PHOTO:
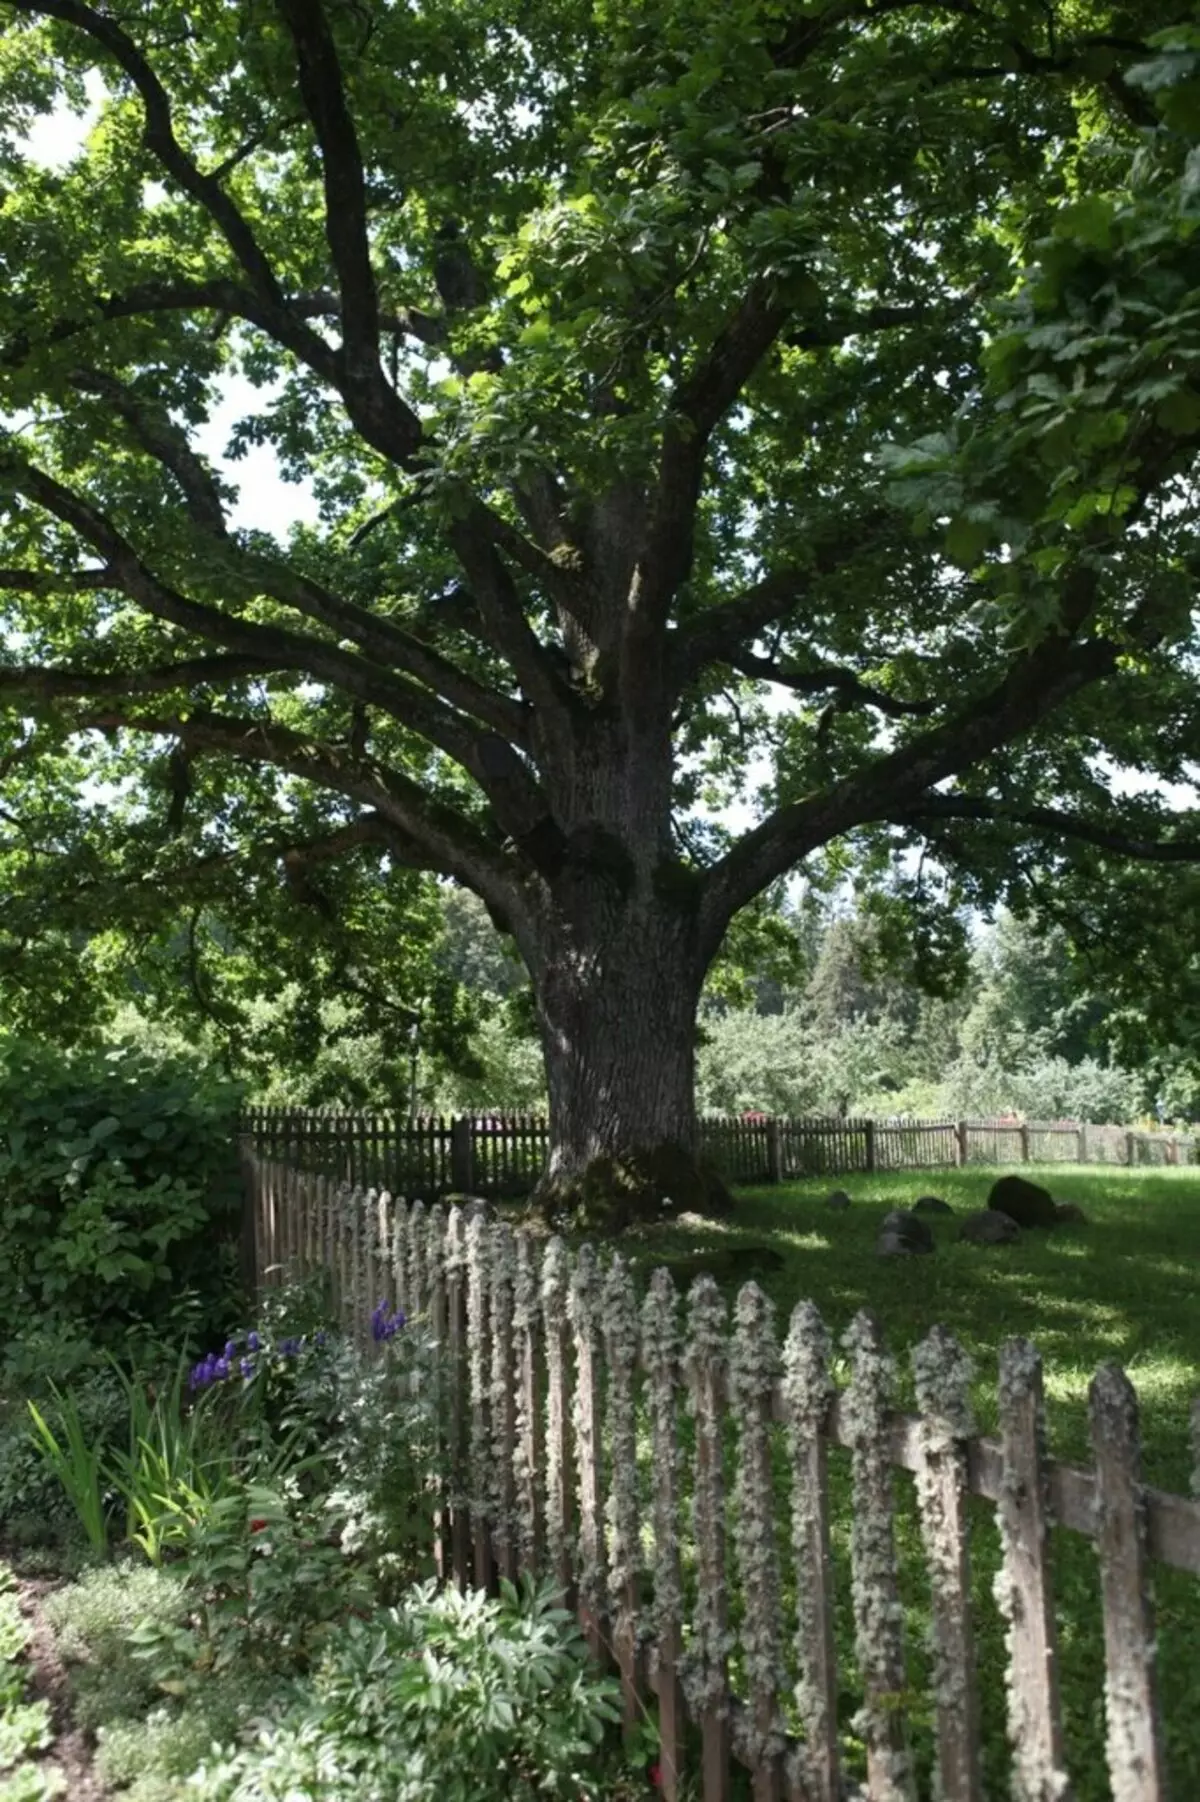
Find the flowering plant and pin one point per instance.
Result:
(247, 1358)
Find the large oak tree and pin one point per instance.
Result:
(647, 359)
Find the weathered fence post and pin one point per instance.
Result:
(870, 1143)
(456, 1321)
(503, 1399)
(436, 1318)
(1023, 1590)
(556, 1274)
(774, 1150)
(660, 1355)
(462, 1154)
(1136, 1766)
(960, 1135)
(753, 1367)
(619, 1322)
(583, 1311)
(943, 1382)
(527, 1462)
(878, 1617)
(706, 1679)
(1131, 1149)
(479, 1459)
(1024, 1141)
(807, 1392)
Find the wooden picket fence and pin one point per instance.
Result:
(672, 1475)
(502, 1155)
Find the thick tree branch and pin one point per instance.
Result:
(724, 632)
(1034, 686)
(698, 406)
(448, 842)
(157, 433)
(492, 762)
(379, 639)
(503, 618)
(323, 92)
(407, 322)
(45, 581)
(1053, 821)
(37, 682)
(822, 678)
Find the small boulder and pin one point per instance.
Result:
(989, 1227)
(901, 1234)
(839, 1200)
(1067, 1211)
(931, 1204)
(1025, 1202)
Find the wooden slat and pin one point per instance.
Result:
(583, 1302)
(753, 1362)
(528, 1449)
(1024, 1587)
(481, 1457)
(503, 1398)
(806, 1390)
(620, 1328)
(558, 1512)
(456, 1338)
(878, 1616)
(1136, 1765)
(660, 1356)
(943, 1378)
(710, 1622)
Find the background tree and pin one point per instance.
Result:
(639, 357)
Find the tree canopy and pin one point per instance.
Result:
(648, 362)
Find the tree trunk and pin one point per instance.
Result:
(617, 993)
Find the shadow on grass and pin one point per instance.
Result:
(1122, 1287)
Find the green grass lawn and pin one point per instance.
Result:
(1122, 1287)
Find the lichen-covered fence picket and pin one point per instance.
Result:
(502, 1155)
(669, 1468)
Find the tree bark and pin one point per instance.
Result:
(617, 972)
(618, 1030)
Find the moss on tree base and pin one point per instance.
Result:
(619, 1190)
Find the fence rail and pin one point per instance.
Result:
(590, 1435)
(502, 1155)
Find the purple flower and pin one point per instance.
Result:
(221, 1369)
(247, 1368)
(231, 1348)
(320, 1338)
(252, 1342)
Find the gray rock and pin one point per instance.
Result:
(989, 1227)
(839, 1200)
(1025, 1202)
(902, 1234)
(931, 1204)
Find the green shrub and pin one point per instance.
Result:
(118, 1191)
(461, 1697)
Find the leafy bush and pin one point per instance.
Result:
(456, 1696)
(117, 1186)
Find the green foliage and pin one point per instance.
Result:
(77, 1463)
(449, 1694)
(24, 1726)
(1022, 1035)
(118, 1189)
